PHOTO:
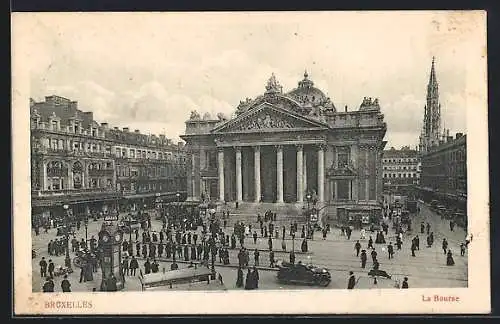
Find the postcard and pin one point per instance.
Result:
(250, 163)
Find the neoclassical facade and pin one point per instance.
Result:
(280, 146)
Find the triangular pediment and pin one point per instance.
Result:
(267, 117)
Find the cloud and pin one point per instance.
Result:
(153, 69)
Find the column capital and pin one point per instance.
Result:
(256, 148)
(321, 147)
(237, 148)
(220, 149)
(279, 147)
(300, 147)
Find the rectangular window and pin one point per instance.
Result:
(343, 189)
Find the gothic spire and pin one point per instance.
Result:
(432, 77)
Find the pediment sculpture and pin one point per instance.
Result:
(264, 122)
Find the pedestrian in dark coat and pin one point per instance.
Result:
(125, 267)
(48, 286)
(271, 259)
(133, 266)
(239, 278)
(357, 247)
(449, 259)
(390, 250)
(363, 258)
(370, 243)
(255, 278)
(186, 253)
(160, 250)
(51, 269)
(193, 252)
(65, 284)
(147, 267)
(352, 281)
(462, 249)
(445, 245)
(417, 242)
(199, 252)
(248, 281)
(43, 268)
(404, 285)
(256, 257)
(374, 255)
(270, 243)
(137, 249)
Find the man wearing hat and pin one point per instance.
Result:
(352, 280)
(404, 285)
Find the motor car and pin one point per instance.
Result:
(298, 273)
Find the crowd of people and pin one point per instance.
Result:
(400, 228)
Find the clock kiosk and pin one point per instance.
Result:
(110, 240)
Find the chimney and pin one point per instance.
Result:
(116, 128)
(104, 125)
(458, 135)
(345, 108)
(137, 131)
(125, 129)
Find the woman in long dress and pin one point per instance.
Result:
(449, 259)
(248, 281)
(239, 278)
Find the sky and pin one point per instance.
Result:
(147, 71)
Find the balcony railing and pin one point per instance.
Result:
(76, 153)
(100, 172)
(72, 192)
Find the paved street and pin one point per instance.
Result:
(427, 269)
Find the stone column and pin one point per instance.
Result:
(44, 173)
(304, 183)
(367, 180)
(321, 173)
(70, 176)
(220, 165)
(239, 188)
(300, 176)
(256, 155)
(367, 189)
(114, 175)
(350, 190)
(335, 190)
(279, 173)
(355, 189)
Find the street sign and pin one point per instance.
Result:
(110, 218)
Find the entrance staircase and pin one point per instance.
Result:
(247, 213)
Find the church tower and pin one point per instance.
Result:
(430, 134)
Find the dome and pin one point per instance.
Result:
(307, 93)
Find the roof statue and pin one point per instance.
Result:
(369, 104)
(194, 115)
(221, 117)
(207, 116)
(273, 85)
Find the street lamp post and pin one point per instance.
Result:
(308, 198)
(86, 228)
(178, 195)
(67, 260)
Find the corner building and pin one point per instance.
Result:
(281, 146)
